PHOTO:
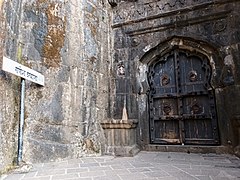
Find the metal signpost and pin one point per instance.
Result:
(24, 72)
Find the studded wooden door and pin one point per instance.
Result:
(182, 102)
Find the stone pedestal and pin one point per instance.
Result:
(120, 137)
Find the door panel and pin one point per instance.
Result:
(182, 104)
(197, 106)
(163, 107)
(168, 131)
(201, 127)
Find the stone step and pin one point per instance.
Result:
(189, 149)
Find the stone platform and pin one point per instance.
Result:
(145, 165)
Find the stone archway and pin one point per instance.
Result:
(181, 100)
(179, 131)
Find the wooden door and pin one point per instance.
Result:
(181, 100)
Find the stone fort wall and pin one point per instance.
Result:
(94, 57)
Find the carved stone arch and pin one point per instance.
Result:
(191, 45)
(181, 92)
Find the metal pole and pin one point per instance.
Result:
(21, 122)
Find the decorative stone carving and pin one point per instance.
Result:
(227, 76)
(114, 3)
(220, 25)
(135, 42)
(121, 69)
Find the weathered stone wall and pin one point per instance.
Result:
(68, 42)
(95, 71)
(144, 25)
(10, 14)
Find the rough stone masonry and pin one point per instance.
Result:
(66, 41)
(96, 58)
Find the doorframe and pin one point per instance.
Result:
(184, 43)
(178, 119)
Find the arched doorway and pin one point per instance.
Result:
(181, 99)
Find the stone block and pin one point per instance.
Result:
(120, 137)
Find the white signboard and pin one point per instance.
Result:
(22, 71)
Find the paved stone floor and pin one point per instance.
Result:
(145, 165)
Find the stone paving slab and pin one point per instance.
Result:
(144, 166)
